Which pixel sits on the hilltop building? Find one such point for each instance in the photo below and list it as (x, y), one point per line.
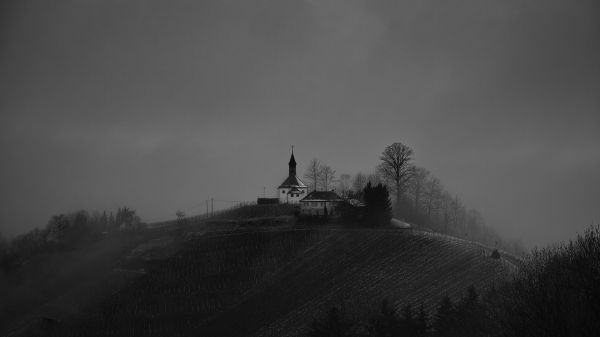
(321, 203)
(292, 189)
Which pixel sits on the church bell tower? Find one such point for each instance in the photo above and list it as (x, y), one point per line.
(292, 165)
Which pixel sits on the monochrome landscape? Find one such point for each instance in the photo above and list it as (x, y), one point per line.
(299, 168)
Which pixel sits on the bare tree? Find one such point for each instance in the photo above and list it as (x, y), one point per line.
(474, 224)
(457, 211)
(57, 227)
(313, 174)
(359, 182)
(327, 175)
(375, 179)
(417, 185)
(432, 194)
(180, 217)
(344, 184)
(396, 168)
(445, 208)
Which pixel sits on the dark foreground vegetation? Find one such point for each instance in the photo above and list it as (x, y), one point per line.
(51, 272)
(271, 282)
(555, 293)
(276, 280)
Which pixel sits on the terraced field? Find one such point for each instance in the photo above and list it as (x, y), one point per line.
(273, 282)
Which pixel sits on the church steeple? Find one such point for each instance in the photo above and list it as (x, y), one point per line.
(292, 189)
(292, 165)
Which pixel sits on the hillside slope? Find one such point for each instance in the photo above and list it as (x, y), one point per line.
(273, 282)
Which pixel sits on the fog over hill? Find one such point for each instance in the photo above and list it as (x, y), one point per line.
(160, 105)
(275, 281)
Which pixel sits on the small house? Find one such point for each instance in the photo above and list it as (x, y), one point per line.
(321, 203)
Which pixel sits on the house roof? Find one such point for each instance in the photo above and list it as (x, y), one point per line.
(292, 181)
(322, 196)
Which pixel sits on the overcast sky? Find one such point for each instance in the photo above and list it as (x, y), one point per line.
(159, 105)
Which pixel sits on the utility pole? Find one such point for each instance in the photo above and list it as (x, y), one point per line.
(207, 208)
(212, 207)
(264, 192)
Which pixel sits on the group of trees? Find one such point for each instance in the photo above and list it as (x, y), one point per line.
(320, 176)
(465, 317)
(378, 208)
(418, 196)
(555, 293)
(66, 231)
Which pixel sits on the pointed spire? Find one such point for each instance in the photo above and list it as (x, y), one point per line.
(292, 164)
(292, 159)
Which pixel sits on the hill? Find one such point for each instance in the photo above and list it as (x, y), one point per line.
(273, 281)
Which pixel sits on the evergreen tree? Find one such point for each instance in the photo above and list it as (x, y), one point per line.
(103, 221)
(444, 323)
(409, 323)
(378, 207)
(421, 321)
(331, 325)
(112, 222)
(387, 323)
(472, 315)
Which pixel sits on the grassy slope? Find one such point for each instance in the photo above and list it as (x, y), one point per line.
(274, 282)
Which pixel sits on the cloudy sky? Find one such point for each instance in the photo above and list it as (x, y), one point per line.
(159, 105)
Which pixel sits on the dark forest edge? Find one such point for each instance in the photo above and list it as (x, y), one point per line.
(555, 293)
(67, 232)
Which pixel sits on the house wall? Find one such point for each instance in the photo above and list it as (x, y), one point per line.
(286, 197)
(318, 207)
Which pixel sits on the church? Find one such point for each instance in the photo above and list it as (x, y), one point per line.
(292, 189)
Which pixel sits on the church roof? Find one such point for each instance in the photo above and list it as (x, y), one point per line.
(292, 181)
(322, 196)
(292, 160)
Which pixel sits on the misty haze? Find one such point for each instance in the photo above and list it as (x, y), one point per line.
(299, 168)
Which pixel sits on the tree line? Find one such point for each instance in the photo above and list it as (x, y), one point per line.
(555, 293)
(66, 231)
(461, 318)
(418, 196)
